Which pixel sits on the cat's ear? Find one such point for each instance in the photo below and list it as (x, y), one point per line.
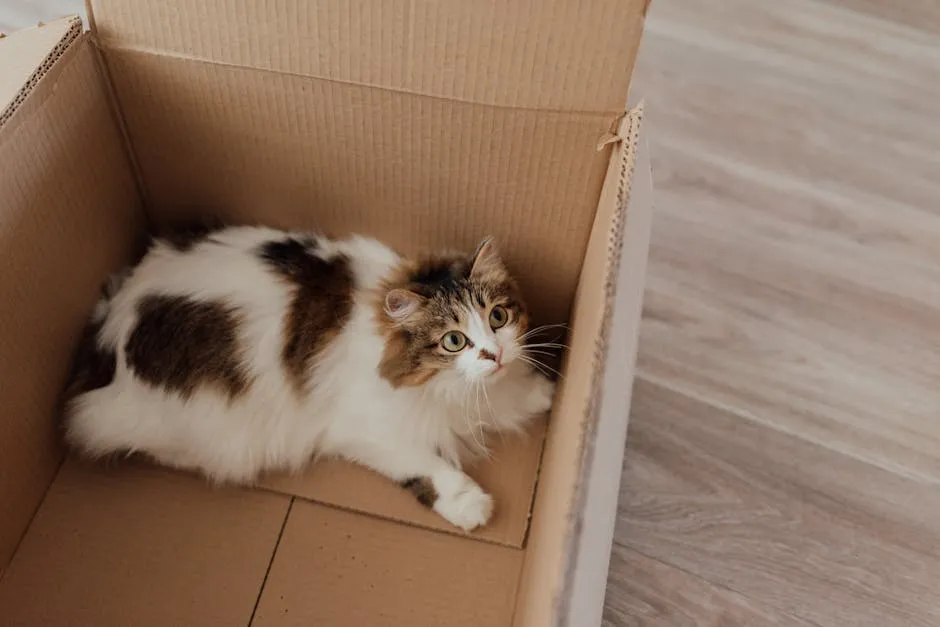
(401, 304)
(487, 262)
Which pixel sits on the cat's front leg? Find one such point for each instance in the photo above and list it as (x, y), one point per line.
(433, 482)
(541, 392)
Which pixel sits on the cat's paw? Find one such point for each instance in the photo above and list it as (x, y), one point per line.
(468, 508)
(540, 396)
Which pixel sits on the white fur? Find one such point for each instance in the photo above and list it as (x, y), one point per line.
(350, 411)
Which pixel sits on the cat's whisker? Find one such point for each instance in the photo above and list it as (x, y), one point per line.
(481, 442)
(540, 352)
(548, 345)
(466, 416)
(493, 417)
(540, 366)
(542, 329)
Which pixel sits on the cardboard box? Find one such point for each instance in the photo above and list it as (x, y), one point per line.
(425, 124)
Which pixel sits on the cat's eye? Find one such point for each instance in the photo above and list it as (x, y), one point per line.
(498, 317)
(454, 341)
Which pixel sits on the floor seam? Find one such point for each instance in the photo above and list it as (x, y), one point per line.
(267, 571)
(744, 414)
(714, 584)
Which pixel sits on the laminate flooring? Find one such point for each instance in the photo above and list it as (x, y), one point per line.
(783, 463)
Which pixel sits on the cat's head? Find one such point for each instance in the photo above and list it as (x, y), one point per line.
(461, 314)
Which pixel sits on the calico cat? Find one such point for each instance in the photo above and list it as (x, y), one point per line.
(245, 349)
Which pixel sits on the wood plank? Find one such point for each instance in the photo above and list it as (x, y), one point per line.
(794, 265)
(652, 594)
(789, 525)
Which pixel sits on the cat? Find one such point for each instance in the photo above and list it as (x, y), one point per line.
(237, 350)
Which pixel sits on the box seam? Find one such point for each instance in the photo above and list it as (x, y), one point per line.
(117, 114)
(267, 571)
(397, 521)
(72, 35)
(155, 52)
(6, 567)
(629, 137)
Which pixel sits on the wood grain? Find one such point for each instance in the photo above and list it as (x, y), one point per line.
(653, 594)
(794, 265)
(784, 454)
(784, 522)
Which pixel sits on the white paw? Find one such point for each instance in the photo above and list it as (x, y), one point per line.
(540, 397)
(468, 508)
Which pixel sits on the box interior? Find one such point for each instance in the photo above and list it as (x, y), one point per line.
(418, 124)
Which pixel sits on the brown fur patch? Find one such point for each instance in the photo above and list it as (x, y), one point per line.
(184, 235)
(322, 302)
(422, 489)
(448, 285)
(180, 343)
(92, 366)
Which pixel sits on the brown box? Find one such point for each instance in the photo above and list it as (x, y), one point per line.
(423, 123)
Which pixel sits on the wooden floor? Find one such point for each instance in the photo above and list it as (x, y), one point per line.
(783, 464)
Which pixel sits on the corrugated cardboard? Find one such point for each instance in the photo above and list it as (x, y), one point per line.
(553, 55)
(138, 546)
(556, 522)
(426, 124)
(509, 476)
(416, 172)
(27, 55)
(628, 185)
(386, 575)
(63, 226)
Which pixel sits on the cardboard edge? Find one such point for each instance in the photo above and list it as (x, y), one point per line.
(593, 514)
(58, 60)
(118, 115)
(117, 112)
(107, 49)
(536, 434)
(71, 36)
(547, 578)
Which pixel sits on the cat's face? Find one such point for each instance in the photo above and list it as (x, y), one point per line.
(458, 313)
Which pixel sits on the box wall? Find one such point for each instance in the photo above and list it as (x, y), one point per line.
(601, 468)
(553, 55)
(66, 221)
(556, 519)
(417, 172)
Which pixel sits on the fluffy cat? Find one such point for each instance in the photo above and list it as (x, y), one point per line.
(246, 349)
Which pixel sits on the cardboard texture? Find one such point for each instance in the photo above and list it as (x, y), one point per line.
(628, 184)
(53, 212)
(414, 171)
(555, 55)
(143, 547)
(545, 583)
(424, 124)
(385, 574)
(510, 477)
(27, 55)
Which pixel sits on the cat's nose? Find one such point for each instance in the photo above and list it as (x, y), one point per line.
(490, 355)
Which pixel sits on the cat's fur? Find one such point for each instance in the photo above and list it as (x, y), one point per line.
(248, 349)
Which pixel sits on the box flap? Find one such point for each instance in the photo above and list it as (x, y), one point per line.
(27, 55)
(547, 54)
(66, 221)
(416, 172)
(509, 477)
(591, 529)
(608, 271)
(143, 547)
(336, 569)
